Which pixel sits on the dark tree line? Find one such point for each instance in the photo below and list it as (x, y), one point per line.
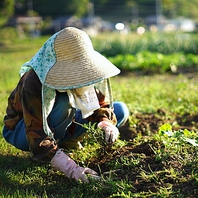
(127, 8)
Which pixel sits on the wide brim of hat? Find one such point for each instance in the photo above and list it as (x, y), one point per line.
(70, 74)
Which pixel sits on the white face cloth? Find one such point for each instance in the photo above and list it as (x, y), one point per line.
(85, 99)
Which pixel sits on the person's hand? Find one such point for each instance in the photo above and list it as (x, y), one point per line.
(66, 165)
(111, 131)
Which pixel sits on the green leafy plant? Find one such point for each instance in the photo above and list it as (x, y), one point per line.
(180, 136)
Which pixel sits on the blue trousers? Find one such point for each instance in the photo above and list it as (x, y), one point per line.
(17, 137)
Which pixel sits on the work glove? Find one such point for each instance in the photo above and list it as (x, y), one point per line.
(65, 164)
(111, 131)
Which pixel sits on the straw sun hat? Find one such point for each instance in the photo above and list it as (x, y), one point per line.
(77, 63)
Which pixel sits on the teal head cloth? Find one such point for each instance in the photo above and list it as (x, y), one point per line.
(67, 61)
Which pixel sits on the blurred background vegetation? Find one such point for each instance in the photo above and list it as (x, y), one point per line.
(136, 35)
(116, 8)
(55, 15)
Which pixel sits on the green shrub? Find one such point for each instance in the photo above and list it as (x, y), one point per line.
(149, 62)
(8, 34)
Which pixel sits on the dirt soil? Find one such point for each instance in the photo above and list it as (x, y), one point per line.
(147, 158)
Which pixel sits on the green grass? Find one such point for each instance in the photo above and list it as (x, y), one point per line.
(161, 163)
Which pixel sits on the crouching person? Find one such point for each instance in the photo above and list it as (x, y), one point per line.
(66, 82)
